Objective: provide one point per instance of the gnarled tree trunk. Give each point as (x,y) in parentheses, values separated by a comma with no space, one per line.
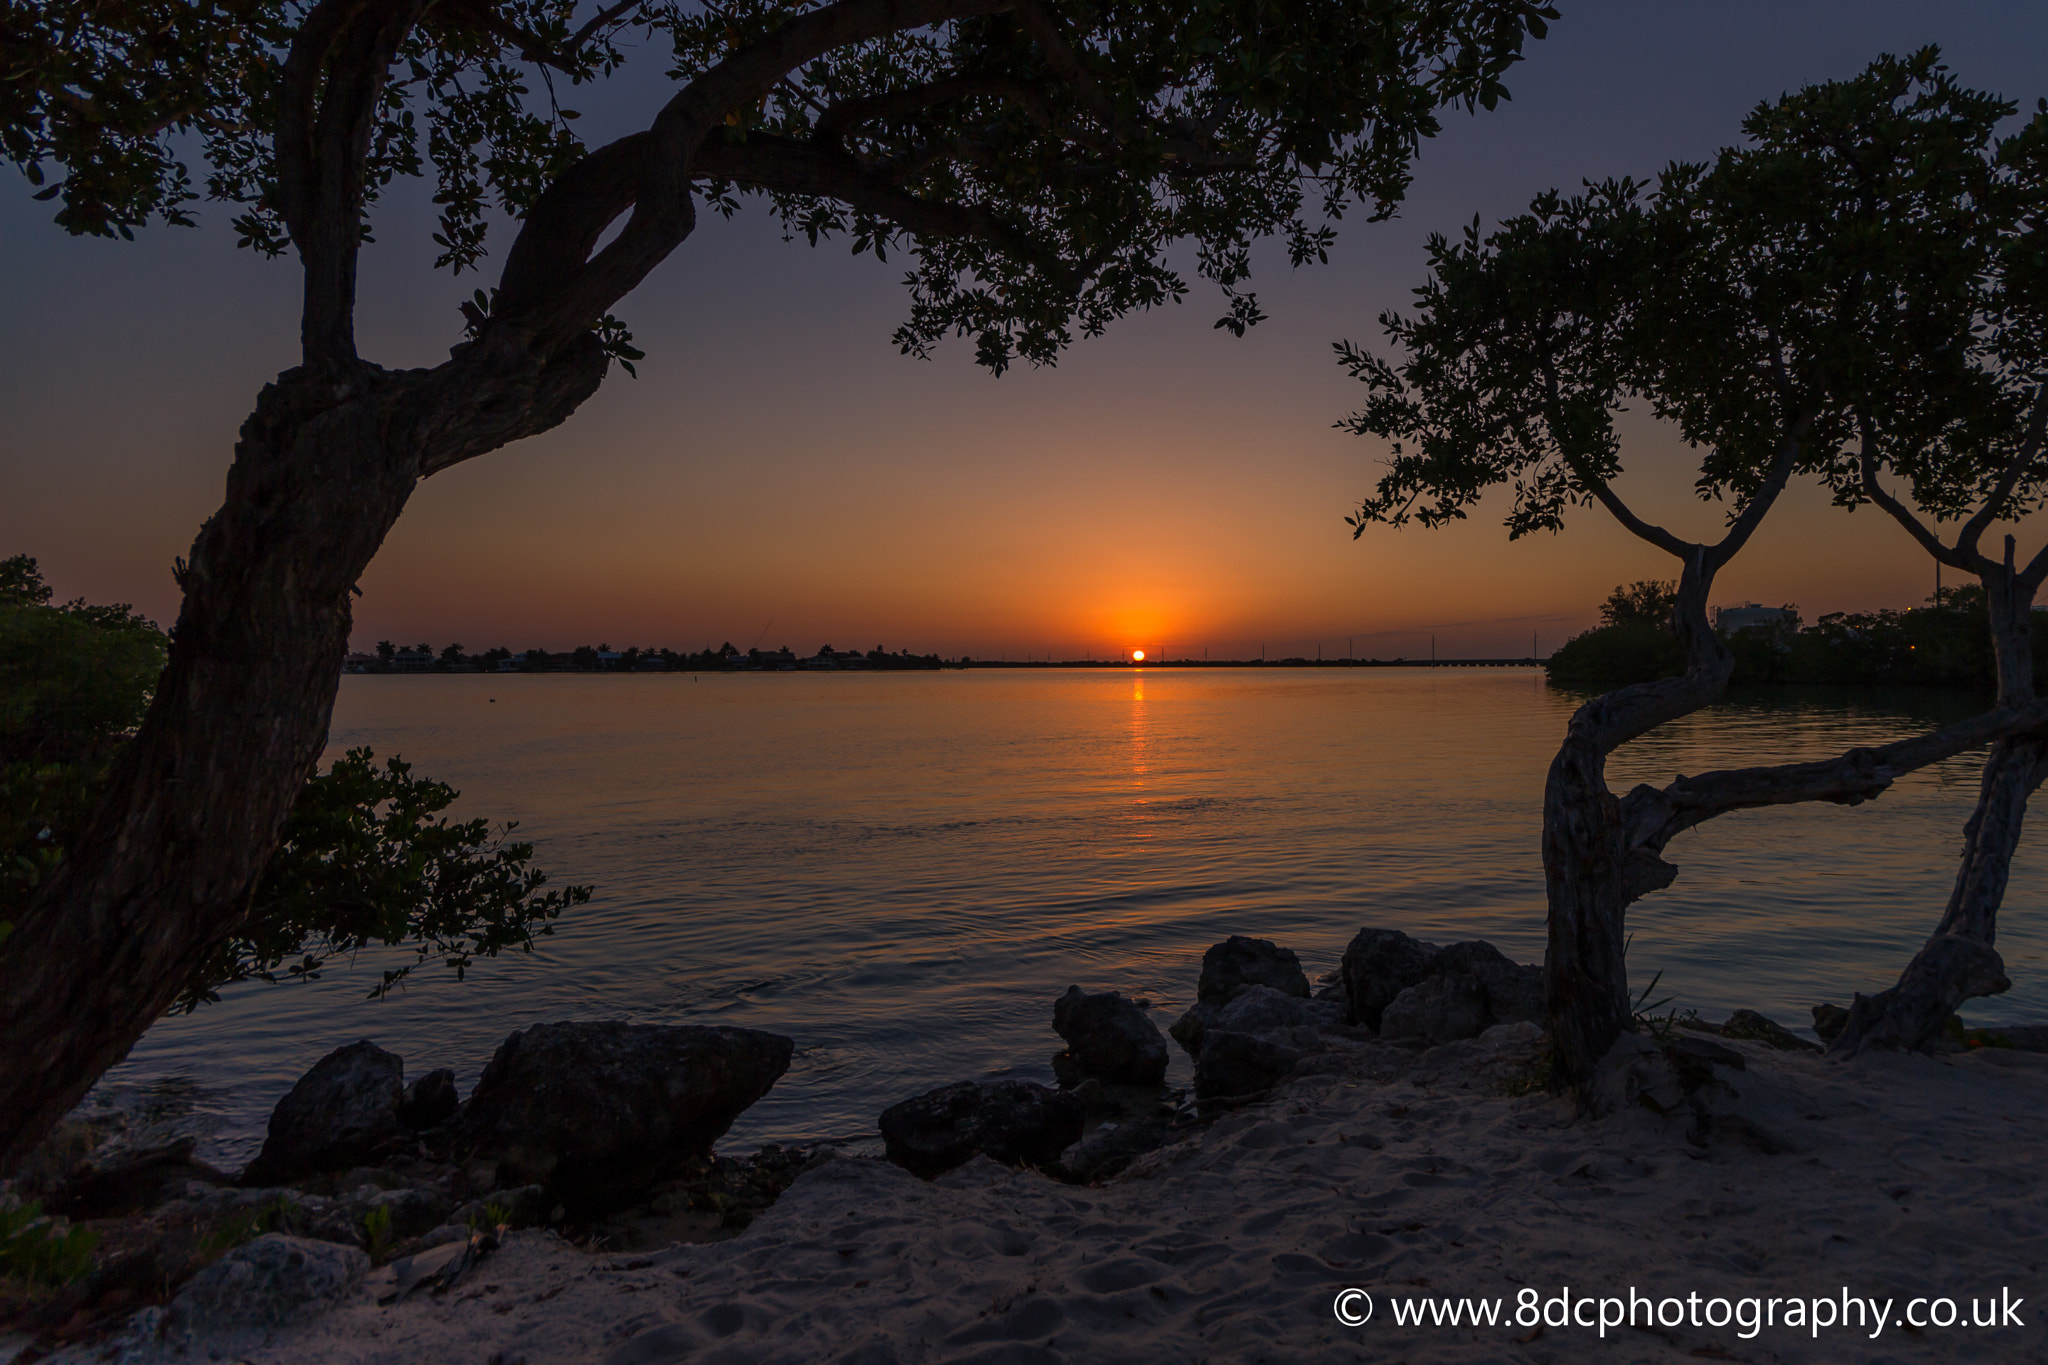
(1593,864)
(1959,960)
(163,871)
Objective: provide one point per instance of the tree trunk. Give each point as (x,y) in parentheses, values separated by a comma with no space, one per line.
(1959,962)
(161,874)
(1592,866)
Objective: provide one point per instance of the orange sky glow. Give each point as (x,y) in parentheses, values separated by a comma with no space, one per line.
(780,475)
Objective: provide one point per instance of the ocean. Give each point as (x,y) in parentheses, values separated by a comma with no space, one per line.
(902,871)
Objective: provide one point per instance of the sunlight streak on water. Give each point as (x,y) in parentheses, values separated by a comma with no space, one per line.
(902,871)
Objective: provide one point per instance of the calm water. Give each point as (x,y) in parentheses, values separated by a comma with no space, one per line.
(901,871)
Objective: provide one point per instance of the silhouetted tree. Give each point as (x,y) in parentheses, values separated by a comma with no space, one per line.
(1822,280)
(1040,160)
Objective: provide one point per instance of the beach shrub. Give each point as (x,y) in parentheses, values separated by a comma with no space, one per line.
(46,1250)
(365,860)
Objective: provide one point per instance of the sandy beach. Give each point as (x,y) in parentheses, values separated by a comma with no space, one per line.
(1410,1176)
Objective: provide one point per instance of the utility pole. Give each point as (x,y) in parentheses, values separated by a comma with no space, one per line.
(1432,649)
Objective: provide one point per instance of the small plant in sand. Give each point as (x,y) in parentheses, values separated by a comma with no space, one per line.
(43,1249)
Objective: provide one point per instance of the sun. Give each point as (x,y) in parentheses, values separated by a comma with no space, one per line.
(1137,656)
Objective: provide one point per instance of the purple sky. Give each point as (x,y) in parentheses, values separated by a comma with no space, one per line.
(779,472)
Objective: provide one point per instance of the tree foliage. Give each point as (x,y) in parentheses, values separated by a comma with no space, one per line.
(1036,158)
(1833,274)
(1648,602)
(363,863)
(364,860)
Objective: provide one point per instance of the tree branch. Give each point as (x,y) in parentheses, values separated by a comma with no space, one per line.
(1766,494)
(1597,486)
(1654,816)
(839,119)
(321,154)
(1972,563)
(552,290)
(774,163)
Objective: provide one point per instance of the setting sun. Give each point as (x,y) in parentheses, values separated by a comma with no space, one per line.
(1137,656)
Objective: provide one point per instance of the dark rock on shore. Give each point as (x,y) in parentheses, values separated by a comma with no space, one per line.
(132,1181)
(266,1283)
(1018,1123)
(1408,989)
(597,1111)
(334,1118)
(1286,1019)
(1750,1024)
(1110,1037)
(430,1100)
(1112,1147)
(1829,1021)
(1379,965)
(1238,962)
(1232,1065)
(1471,987)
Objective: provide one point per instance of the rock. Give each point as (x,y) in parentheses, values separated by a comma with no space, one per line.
(598,1111)
(1234,1064)
(1466,989)
(1379,965)
(1018,1123)
(1112,1147)
(430,1100)
(1706,1052)
(529,1206)
(1514,993)
(1829,1021)
(130,1182)
(334,1118)
(1635,1071)
(1188,1029)
(1110,1037)
(265,1283)
(1749,1024)
(413,1212)
(1439,1009)
(1237,962)
(1263,1012)
(1286,1019)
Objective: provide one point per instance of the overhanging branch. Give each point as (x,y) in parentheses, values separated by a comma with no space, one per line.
(1654,816)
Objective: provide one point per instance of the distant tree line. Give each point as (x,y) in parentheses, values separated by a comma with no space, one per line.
(602,658)
(1946,643)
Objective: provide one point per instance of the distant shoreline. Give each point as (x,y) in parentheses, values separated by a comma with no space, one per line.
(972,663)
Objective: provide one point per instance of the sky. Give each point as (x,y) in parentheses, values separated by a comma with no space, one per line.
(778,474)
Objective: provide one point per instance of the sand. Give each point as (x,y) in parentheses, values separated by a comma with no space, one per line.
(1893,1178)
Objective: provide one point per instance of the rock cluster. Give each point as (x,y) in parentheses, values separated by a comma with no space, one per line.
(1253,1024)
(1018,1123)
(596,1112)
(1110,1038)
(1407,989)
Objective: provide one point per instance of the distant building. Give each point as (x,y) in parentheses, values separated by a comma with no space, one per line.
(1752,616)
(411,661)
(362,663)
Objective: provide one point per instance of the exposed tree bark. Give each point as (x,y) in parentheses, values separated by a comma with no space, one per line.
(1592,869)
(193,810)
(1959,961)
